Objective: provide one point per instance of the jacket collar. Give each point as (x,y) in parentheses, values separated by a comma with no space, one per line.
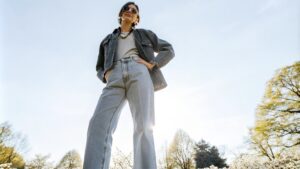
(117,30)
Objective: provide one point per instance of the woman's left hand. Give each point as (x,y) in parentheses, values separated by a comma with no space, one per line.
(147,64)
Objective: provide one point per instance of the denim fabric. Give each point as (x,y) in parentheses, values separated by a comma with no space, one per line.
(131,81)
(147,43)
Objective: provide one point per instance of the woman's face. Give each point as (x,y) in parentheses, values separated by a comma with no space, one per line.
(130,14)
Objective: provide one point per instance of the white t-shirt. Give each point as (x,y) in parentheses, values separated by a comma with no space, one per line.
(126,47)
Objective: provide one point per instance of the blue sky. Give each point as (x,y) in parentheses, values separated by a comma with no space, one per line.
(226,51)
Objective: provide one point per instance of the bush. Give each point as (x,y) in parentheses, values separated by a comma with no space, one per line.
(287,160)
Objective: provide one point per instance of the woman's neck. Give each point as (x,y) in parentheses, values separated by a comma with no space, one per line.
(126,27)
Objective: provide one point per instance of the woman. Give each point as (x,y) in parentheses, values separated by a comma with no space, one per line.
(126,63)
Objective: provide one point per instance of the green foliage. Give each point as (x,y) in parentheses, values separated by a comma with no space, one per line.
(10,144)
(206,155)
(277,126)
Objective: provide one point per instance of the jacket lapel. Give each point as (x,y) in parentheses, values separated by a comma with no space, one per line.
(138,40)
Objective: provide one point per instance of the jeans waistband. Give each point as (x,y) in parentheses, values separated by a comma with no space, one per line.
(126,59)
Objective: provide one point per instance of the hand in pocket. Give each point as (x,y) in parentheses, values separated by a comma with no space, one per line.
(107,74)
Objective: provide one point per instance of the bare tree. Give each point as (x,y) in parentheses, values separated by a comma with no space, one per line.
(181,151)
(121,160)
(166,162)
(39,162)
(71,160)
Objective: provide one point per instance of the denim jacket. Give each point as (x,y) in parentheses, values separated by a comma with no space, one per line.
(146,43)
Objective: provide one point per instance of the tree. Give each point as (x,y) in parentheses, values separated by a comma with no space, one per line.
(277,126)
(9,155)
(121,160)
(290,159)
(11,146)
(181,151)
(206,155)
(39,162)
(166,162)
(261,143)
(71,160)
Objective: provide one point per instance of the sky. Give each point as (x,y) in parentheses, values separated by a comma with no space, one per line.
(225,52)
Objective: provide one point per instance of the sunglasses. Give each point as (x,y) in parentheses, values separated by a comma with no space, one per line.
(131,10)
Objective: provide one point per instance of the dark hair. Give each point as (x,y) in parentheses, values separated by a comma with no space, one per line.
(121,12)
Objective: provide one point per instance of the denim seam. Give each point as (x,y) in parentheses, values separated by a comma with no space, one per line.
(107,132)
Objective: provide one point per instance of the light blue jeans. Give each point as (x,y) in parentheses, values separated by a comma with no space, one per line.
(128,80)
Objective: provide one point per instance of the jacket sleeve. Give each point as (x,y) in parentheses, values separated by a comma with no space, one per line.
(163,48)
(100,62)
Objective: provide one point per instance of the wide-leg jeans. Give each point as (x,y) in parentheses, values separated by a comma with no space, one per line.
(128,81)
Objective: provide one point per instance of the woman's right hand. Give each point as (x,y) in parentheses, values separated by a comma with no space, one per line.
(107,74)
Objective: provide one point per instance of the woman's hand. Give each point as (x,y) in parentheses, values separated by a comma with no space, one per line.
(147,64)
(107,74)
